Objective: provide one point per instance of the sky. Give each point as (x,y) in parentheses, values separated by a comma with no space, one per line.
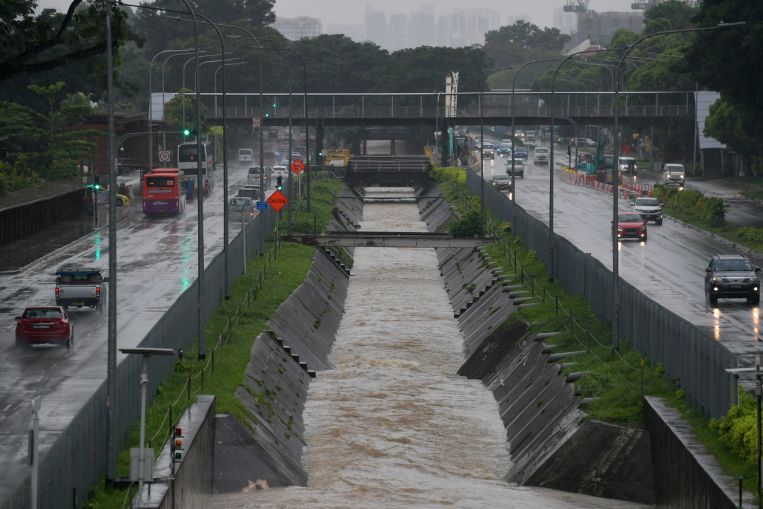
(351,11)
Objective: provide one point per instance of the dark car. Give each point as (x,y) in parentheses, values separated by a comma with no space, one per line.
(521,153)
(44,325)
(631,225)
(732,276)
(501,182)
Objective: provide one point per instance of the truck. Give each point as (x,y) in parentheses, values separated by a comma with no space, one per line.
(674,174)
(79,286)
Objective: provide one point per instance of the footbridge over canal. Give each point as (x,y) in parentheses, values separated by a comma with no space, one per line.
(464,108)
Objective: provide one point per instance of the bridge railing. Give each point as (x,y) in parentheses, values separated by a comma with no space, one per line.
(431,106)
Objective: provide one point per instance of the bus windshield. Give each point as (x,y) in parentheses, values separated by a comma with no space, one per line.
(188,153)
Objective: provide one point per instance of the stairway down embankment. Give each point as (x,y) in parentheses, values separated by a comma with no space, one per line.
(265,449)
(552,442)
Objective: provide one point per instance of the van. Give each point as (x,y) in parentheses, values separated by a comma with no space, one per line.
(254,175)
(627,165)
(249,191)
(541,155)
(245,155)
(673,174)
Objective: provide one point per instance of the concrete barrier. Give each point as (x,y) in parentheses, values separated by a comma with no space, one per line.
(186,483)
(686,475)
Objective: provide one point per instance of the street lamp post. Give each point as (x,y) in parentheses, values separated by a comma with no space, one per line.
(552,264)
(111,362)
(164,65)
(513,136)
(615,179)
(151,102)
(482,167)
(229,64)
(146,353)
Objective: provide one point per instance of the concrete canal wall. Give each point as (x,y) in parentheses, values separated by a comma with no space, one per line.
(552,441)
(265,450)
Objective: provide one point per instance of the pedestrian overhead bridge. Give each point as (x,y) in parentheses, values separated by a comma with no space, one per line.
(465,108)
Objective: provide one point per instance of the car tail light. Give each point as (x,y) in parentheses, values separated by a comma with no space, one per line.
(97,291)
(58,291)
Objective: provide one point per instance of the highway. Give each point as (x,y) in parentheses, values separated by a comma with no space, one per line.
(669,267)
(156,263)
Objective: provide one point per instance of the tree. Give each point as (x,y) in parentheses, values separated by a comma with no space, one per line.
(47,143)
(727,124)
(178,117)
(159,31)
(669,15)
(50,39)
(729,61)
(513,45)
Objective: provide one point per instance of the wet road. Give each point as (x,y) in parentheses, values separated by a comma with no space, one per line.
(156,261)
(669,267)
(392,425)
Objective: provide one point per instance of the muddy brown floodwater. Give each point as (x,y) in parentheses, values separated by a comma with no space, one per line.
(392,425)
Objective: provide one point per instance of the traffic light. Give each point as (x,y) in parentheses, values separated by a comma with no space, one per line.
(97,182)
(279,182)
(177,445)
(187,131)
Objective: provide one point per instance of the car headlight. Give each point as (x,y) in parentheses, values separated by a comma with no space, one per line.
(715,280)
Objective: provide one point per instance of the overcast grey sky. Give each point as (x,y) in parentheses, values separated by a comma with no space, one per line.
(351,11)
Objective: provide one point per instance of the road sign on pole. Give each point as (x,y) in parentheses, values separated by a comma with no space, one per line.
(164,156)
(255,122)
(277,201)
(262,205)
(297,166)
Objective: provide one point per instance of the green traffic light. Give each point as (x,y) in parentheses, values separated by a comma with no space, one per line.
(186,132)
(267,114)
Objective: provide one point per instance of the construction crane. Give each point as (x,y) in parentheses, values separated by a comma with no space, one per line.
(576,6)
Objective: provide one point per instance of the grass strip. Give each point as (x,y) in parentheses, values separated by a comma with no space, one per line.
(616,380)
(276,274)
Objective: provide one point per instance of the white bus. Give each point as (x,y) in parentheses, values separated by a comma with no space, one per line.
(188,163)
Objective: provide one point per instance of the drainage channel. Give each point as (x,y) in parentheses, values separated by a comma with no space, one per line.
(391,424)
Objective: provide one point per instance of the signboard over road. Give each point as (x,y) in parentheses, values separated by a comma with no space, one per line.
(277,201)
(297,166)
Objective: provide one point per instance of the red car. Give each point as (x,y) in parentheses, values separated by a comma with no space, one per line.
(44,325)
(630,225)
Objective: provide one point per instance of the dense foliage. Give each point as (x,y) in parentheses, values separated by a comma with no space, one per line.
(693,203)
(44,144)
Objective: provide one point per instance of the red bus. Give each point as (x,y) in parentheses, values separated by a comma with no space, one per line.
(162,192)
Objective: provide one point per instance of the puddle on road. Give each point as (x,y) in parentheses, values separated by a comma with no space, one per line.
(392,425)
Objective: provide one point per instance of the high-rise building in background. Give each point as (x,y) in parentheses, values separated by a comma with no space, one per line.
(465,27)
(397,32)
(354,32)
(376,26)
(566,22)
(295,29)
(422,29)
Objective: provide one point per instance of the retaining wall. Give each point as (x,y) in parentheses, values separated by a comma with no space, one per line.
(687,476)
(265,449)
(193,475)
(538,404)
(687,352)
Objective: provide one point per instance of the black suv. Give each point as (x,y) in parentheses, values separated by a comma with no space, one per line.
(732,276)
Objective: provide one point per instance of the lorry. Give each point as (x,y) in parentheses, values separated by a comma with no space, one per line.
(674,174)
(79,286)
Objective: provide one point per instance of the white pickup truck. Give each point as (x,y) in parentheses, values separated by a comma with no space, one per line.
(78,286)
